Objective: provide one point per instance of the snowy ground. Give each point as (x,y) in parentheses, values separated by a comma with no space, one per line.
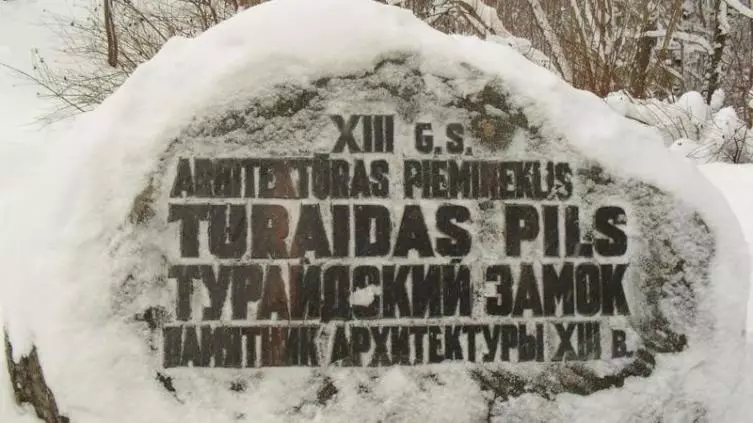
(21,30)
(736,183)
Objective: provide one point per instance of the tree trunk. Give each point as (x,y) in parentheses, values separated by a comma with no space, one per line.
(639,75)
(720,40)
(112,41)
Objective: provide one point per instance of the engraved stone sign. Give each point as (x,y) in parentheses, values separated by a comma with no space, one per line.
(416,234)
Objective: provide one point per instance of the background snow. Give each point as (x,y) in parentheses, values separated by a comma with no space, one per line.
(24,26)
(20,142)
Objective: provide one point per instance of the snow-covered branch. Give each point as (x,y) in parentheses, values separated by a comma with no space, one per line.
(684,36)
(741,8)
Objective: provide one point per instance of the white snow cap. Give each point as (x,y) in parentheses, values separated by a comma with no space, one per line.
(61,221)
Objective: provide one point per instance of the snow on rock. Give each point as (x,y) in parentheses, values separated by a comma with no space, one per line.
(684,147)
(524,47)
(87,239)
(695,151)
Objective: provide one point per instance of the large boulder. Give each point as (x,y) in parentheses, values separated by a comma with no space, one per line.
(328,210)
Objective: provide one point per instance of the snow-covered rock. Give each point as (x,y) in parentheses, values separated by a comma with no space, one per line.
(92,231)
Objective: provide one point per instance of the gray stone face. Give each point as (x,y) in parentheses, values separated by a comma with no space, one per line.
(666,262)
